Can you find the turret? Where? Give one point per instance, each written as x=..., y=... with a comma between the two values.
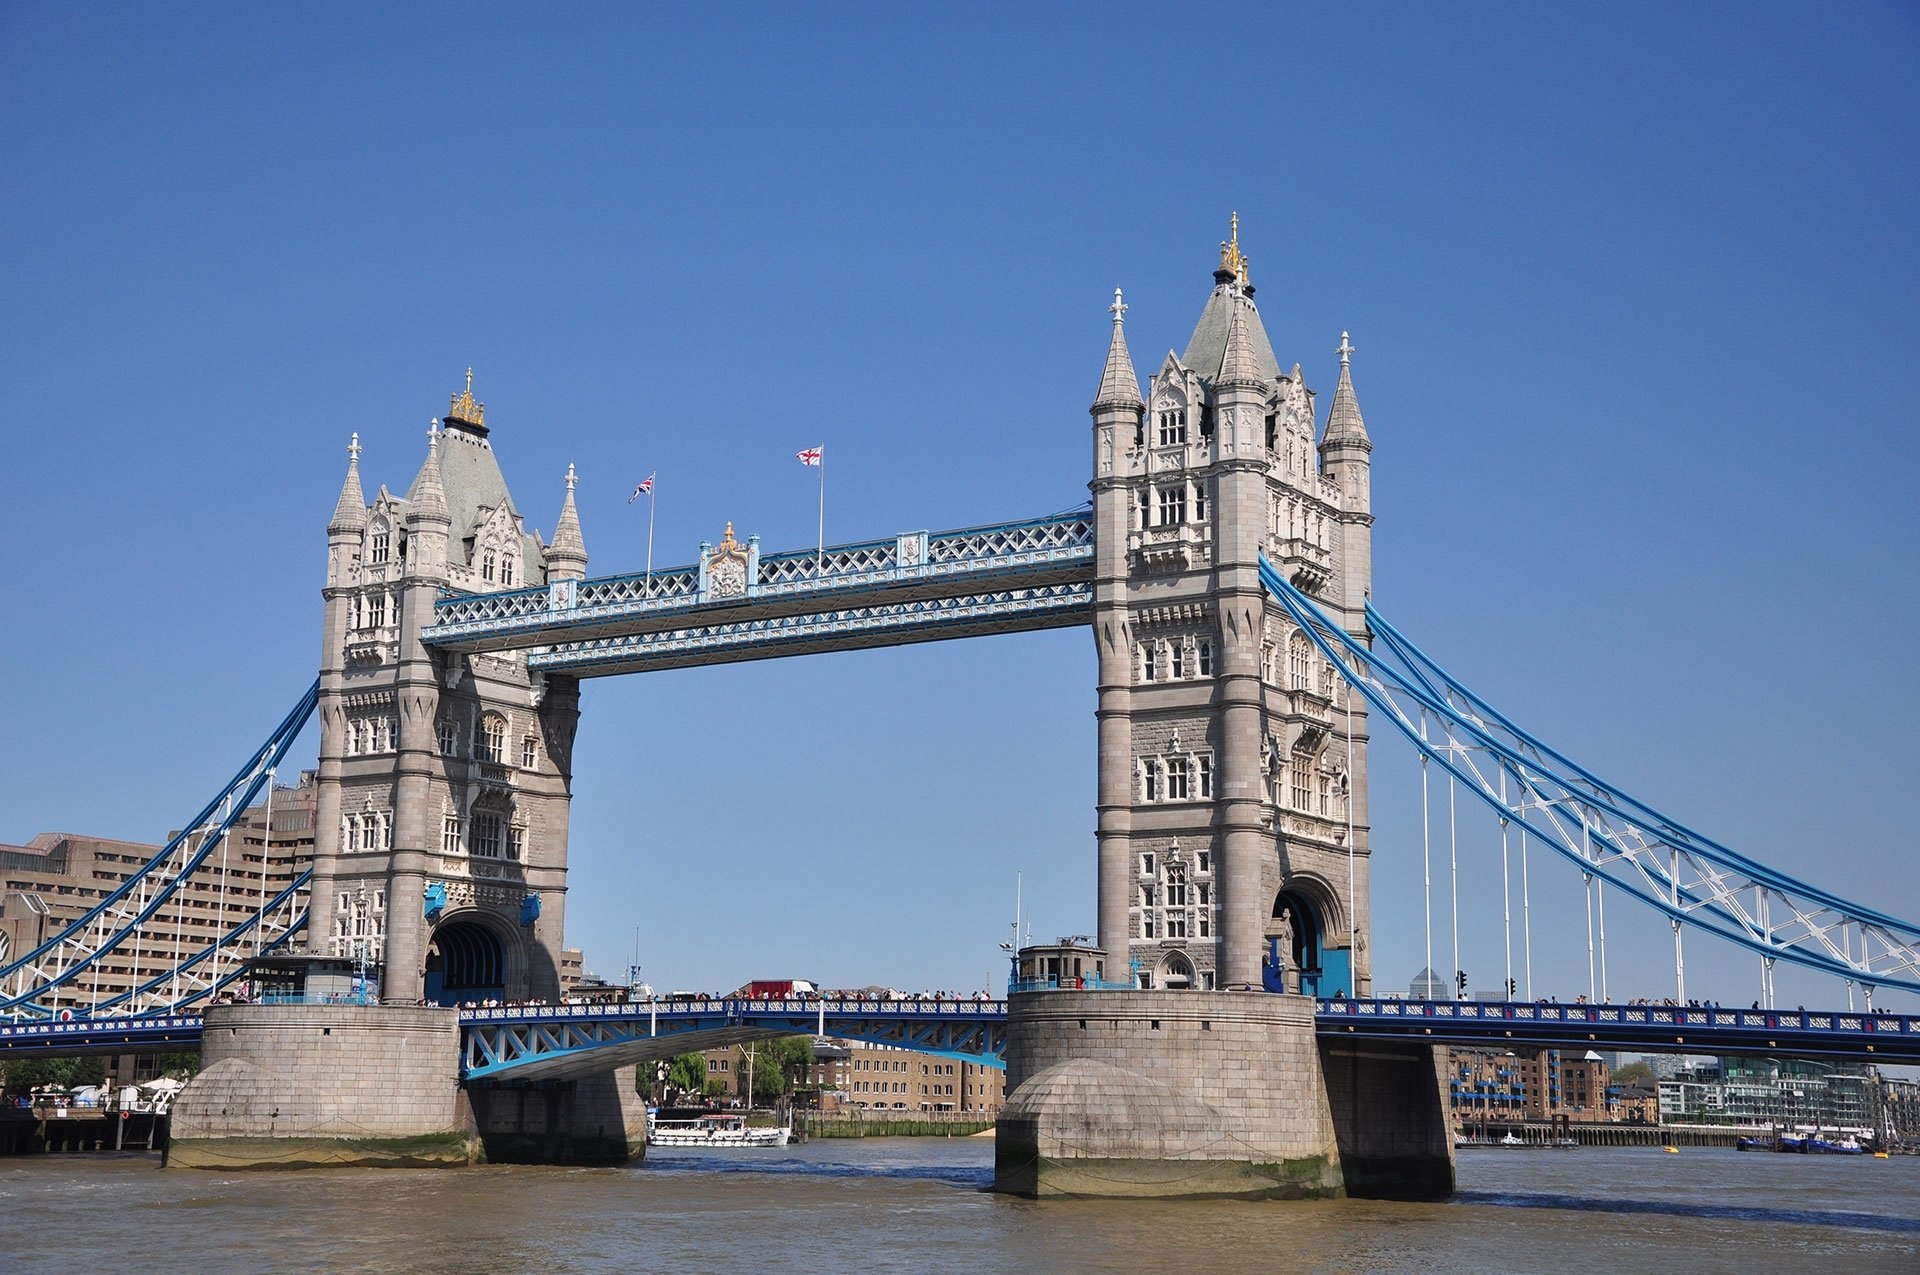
x=566, y=557
x=1346, y=458
x=349, y=524
x=428, y=522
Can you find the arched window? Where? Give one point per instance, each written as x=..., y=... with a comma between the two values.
x=506, y=569
x=493, y=738
x=486, y=565
x=379, y=544
x=1300, y=662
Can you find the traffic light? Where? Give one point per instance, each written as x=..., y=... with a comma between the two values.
x=1512, y=987
x=1460, y=977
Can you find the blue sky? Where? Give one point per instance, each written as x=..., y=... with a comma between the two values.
x=1632, y=287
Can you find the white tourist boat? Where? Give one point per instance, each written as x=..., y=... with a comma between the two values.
x=712, y=1129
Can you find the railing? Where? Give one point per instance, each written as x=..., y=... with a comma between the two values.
x=1056, y=984
x=1659, y=1017
x=740, y=1007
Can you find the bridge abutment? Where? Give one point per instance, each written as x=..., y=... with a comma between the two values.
x=592, y=1120
x=305, y=1086
x=1167, y=1094
x=299, y=1086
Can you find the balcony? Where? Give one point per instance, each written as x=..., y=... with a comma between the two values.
x=1307, y=565
x=1180, y=546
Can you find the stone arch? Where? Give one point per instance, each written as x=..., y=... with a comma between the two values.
x=474, y=955
x=1175, y=972
x=1316, y=961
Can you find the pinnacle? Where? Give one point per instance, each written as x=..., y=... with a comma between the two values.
x=351, y=513
x=427, y=498
x=1343, y=418
x=1119, y=386
x=568, y=544
x=1237, y=363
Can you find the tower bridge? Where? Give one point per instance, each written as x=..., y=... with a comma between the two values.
x=1230, y=1041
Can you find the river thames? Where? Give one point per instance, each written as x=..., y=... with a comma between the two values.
x=919, y=1205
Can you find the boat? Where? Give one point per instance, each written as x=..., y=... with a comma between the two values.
x=1671, y=1150
x=1831, y=1146
x=1756, y=1144
x=1790, y=1142
x=711, y=1129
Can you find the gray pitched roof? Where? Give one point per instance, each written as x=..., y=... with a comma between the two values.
x=1343, y=419
x=1119, y=386
x=1209, y=343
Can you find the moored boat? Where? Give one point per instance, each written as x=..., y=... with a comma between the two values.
x=711, y=1129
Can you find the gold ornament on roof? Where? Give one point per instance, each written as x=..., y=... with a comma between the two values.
x=1232, y=260
x=463, y=408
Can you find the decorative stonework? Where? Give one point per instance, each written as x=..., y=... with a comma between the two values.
x=727, y=568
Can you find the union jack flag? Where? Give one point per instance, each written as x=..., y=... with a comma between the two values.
x=646, y=485
x=811, y=456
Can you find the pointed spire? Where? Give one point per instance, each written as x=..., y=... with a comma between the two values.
x=567, y=555
x=350, y=514
x=427, y=498
x=1343, y=418
x=1237, y=363
x=1119, y=387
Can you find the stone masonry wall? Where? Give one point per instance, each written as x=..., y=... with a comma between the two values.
x=324, y=1084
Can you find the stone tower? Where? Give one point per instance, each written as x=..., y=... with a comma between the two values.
x=444, y=780
x=1232, y=815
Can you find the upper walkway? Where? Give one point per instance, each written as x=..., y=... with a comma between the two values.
x=735, y=604
x=525, y=1042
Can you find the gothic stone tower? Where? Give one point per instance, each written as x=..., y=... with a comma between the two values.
x=1232, y=790
x=445, y=781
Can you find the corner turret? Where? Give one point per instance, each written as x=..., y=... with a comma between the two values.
x=566, y=557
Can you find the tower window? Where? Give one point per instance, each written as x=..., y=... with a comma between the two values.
x=493, y=739
x=1179, y=659
x=1203, y=774
x=1173, y=505
x=1205, y=655
x=529, y=752
x=449, y=732
x=506, y=569
x=1173, y=427
x=516, y=843
x=380, y=547
x=1199, y=502
x=1150, y=662
x=486, y=835
x=1150, y=772
x=450, y=835
x=1176, y=779
x=486, y=565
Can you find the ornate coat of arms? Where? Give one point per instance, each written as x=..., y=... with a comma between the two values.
x=727, y=568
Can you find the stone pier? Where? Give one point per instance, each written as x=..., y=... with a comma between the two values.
x=300, y=1086
x=1163, y=1094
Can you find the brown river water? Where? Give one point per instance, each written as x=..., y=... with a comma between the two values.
x=918, y=1205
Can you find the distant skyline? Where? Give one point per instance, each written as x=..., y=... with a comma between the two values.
x=1632, y=293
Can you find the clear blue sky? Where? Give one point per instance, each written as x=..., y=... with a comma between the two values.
x=1633, y=288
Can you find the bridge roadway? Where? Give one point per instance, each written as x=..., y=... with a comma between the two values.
x=529, y=1042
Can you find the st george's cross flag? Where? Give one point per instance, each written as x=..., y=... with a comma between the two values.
x=646, y=485
x=811, y=456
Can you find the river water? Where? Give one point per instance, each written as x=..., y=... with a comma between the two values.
x=918, y=1205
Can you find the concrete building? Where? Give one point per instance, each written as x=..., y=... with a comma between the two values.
x=1528, y=1084
x=444, y=780
x=1787, y=1092
x=869, y=1077
x=56, y=878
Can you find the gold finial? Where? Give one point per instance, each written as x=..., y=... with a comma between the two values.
x=1232, y=260
x=462, y=407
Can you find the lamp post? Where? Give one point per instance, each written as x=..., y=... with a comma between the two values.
x=360, y=921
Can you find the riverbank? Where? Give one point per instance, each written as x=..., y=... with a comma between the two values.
x=832, y=1126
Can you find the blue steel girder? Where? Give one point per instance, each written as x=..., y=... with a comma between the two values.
x=558, y=1041
x=1800, y=1033
x=1033, y=557
x=1019, y=610
x=168, y=1033
x=1610, y=836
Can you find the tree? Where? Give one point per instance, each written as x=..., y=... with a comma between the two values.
x=688, y=1073
x=1633, y=1072
x=777, y=1063
x=22, y=1074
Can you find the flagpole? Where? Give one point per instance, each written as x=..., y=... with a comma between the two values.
x=820, y=552
x=649, y=586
